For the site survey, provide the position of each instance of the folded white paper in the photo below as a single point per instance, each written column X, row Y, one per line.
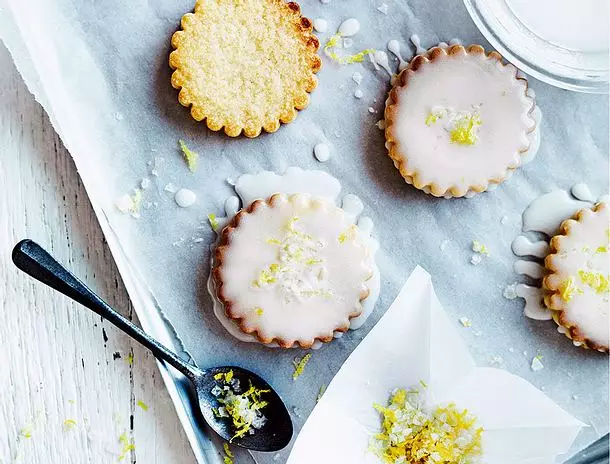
column 415, row 341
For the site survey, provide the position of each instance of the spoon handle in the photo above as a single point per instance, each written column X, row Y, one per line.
column 32, row 259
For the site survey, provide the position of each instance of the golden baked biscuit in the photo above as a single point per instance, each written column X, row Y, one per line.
column 244, row 65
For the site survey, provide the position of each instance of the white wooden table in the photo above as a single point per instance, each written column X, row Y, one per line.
column 67, row 389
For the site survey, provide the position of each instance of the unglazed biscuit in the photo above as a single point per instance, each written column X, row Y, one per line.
column 292, row 270
column 458, row 121
column 244, row 65
column 576, row 286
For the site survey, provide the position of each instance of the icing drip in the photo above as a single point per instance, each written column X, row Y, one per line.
column 381, row 58
column 417, row 44
column 316, row 183
column 534, row 302
column 349, row 27
column 522, row 246
column 581, row 192
column 529, row 268
column 394, row 48
column 546, row 213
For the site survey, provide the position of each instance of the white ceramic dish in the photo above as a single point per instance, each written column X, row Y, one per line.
column 561, row 42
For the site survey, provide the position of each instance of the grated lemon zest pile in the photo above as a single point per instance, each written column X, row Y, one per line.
column 333, row 42
column 142, row 405
column 243, row 409
column 465, row 130
column 190, row 157
column 299, row 365
column 213, row 221
column 228, row 457
column 596, row 280
column 128, row 446
column 410, row 434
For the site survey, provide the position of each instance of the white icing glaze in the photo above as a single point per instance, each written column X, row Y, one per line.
column 583, row 259
column 394, row 48
column 185, row 198
column 534, row 302
column 546, row 212
column 381, row 58
column 417, row 44
column 460, row 85
column 522, row 246
column 320, row 24
column 529, row 268
column 295, row 270
column 544, row 215
column 349, row 27
column 318, row 183
column 321, row 152
column 581, row 192
column 358, row 93
column 357, row 78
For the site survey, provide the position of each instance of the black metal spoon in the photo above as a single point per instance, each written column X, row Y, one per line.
column 274, row 435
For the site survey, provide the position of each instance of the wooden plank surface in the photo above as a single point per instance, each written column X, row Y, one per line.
column 67, row 389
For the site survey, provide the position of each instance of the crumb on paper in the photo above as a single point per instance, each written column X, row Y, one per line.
column 190, row 157
column 575, row 397
column 357, row 78
column 296, row 411
column 510, row 291
column 380, row 124
column 537, row 363
column 299, row 365
column 496, row 360
column 476, row 259
column 444, row 244
column 465, row 321
column 170, row 187
column 145, row 183
column 383, row 8
column 503, row 220
column 358, row 94
column 130, row 203
column 142, row 405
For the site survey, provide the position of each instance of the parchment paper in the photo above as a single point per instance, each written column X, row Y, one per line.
column 100, row 70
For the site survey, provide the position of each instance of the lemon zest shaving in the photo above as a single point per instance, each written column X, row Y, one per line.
column 321, row 392
column 595, row 280
column 128, row 446
column 213, row 221
column 143, row 405
column 567, row 289
column 26, row 432
column 225, row 376
column 348, row 234
column 299, row 365
column 190, row 157
column 129, row 358
column 69, row 424
column 479, row 247
column 333, row 42
column 602, row 249
column 228, row 457
column 273, row 241
column 259, row 311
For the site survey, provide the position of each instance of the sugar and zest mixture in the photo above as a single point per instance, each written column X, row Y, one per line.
column 299, row 271
column 412, row 434
column 243, row 63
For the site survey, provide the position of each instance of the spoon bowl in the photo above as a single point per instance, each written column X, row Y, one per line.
column 275, row 429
